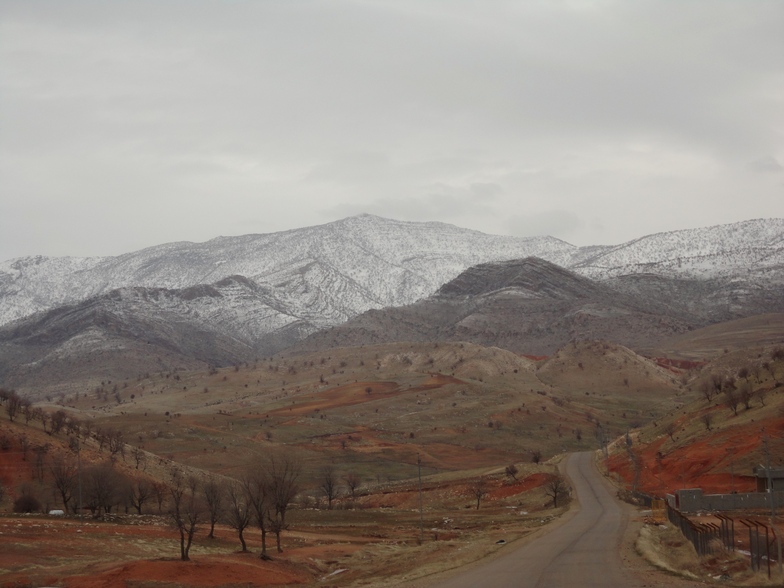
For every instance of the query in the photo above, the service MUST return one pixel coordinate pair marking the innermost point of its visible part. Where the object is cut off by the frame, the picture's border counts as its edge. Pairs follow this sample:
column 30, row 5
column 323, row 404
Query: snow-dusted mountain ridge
column 326, row 274
column 711, row 252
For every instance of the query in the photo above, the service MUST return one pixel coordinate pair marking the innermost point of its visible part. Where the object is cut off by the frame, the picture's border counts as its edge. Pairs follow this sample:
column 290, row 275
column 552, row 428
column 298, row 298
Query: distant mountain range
column 534, row 307
column 235, row 298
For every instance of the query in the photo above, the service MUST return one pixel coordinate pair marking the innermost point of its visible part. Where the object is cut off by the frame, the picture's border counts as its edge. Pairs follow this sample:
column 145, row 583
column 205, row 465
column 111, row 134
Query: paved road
column 583, row 552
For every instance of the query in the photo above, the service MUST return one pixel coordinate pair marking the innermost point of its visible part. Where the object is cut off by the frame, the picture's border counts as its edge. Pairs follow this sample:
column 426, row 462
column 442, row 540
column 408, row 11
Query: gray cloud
column 766, row 165
column 131, row 124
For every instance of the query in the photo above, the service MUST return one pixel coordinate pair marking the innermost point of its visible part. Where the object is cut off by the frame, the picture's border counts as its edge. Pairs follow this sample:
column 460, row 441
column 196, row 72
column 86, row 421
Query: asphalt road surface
column 582, row 552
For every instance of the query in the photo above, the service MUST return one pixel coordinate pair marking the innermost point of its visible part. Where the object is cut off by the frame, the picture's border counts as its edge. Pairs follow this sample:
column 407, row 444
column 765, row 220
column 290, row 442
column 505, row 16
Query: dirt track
column 582, row 551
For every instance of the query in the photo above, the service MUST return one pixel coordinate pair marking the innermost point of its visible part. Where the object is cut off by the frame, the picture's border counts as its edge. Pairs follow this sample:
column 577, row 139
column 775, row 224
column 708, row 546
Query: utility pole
column 421, row 520
column 79, row 469
column 770, row 478
column 77, row 445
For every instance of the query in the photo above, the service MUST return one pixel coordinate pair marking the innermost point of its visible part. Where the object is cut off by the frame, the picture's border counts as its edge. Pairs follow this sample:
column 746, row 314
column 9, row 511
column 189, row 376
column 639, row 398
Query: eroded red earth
column 703, row 464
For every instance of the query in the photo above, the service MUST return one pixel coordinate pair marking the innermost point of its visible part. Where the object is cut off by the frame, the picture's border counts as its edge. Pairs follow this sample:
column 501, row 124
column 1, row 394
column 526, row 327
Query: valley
column 460, row 403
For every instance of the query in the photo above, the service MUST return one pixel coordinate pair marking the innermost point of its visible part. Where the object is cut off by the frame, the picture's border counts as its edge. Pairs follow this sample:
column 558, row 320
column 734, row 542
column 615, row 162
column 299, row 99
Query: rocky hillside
column 528, row 306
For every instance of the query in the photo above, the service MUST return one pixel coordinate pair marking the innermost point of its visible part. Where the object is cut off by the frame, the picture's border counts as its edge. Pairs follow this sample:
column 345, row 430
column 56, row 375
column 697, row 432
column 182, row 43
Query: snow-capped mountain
column 232, row 299
column 326, row 273
column 329, row 273
column 739, row 249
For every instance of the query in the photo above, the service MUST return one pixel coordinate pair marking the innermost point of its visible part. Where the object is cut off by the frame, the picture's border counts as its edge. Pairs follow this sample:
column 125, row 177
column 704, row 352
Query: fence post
column 727, row 531
column 767, row 545
column 754, row 544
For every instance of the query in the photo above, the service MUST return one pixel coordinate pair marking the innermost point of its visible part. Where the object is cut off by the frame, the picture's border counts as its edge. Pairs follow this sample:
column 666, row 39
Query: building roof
column 775, row 473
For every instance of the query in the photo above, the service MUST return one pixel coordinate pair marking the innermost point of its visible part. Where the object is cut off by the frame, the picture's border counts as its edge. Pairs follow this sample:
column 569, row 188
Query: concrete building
column 776, row 478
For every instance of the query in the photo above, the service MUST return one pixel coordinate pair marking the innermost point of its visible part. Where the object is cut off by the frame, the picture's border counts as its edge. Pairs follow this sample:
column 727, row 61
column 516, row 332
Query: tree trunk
column 188, row 548
column 242, row 540
column 263, row 554
column 183, row 551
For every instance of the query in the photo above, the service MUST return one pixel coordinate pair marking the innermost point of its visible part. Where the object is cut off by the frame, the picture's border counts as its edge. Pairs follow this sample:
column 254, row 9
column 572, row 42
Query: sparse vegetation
column 369, row 425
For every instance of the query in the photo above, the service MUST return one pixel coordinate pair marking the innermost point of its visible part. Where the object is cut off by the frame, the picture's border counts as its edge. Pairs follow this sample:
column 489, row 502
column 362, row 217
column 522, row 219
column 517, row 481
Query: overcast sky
column 130, row 124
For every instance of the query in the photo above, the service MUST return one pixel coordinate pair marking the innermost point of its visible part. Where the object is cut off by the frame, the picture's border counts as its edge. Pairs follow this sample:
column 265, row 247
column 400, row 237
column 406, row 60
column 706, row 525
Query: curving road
column 582, row 552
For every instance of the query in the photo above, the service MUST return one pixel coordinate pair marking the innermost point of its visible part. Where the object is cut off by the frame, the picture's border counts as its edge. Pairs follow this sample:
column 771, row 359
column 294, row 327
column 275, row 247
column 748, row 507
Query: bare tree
column 479, row 490
column 12, row 404
column 328, row 484
column 213, row 498
column 717, row 382
column 283, row 479
column 27, row 410
column 745, row 394
column 353, row 482
column 556, row 488
column 511, row 471
column 186, row 510
column 116, row 443
column 101, row 437
column 64, row 477
column 238, row 512
column 707, row 390
column 139, row 456
column 671, row 428
column 103, row 488
column 707, row 420
column 58, row 420
column 139, row 492
column 770, row 368
column 73, row 426
column 536, row 456
column 256, row 489
column 731, row 400
column 159, row 491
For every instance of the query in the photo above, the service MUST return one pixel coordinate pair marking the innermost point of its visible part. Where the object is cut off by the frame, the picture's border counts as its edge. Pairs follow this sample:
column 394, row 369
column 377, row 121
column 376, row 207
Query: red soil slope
column 703, row 464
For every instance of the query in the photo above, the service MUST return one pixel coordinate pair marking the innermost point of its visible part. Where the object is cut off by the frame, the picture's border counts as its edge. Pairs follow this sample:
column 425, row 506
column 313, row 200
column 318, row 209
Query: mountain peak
column 531, row 276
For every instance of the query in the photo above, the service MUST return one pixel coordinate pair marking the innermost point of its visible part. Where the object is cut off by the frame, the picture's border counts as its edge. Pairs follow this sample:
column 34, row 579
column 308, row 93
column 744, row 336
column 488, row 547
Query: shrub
column 27, row 503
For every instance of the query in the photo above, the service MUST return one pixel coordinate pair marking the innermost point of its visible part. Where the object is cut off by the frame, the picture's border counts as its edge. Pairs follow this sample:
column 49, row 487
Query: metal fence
column 759, row 547
column 708, row 538
column 701, row 535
